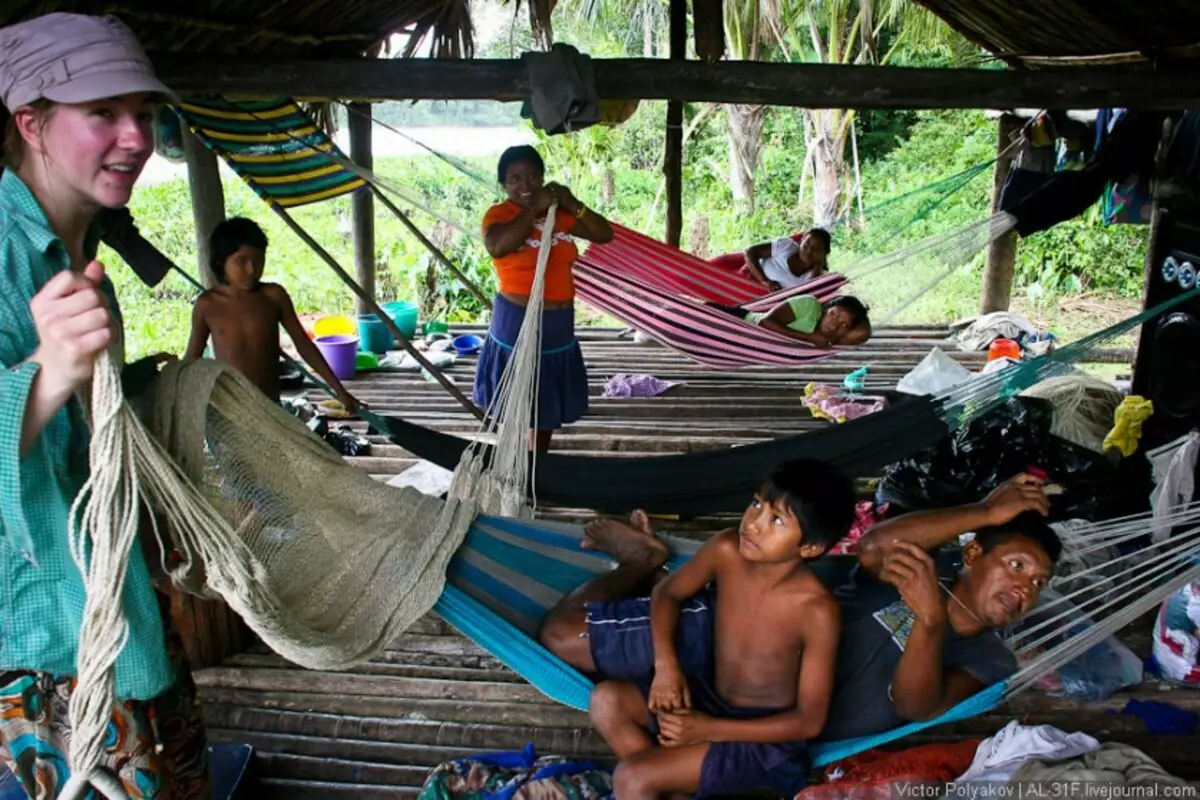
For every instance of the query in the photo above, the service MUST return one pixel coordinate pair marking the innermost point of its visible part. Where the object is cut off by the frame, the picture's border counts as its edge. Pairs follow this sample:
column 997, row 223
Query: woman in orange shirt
column 512, row 233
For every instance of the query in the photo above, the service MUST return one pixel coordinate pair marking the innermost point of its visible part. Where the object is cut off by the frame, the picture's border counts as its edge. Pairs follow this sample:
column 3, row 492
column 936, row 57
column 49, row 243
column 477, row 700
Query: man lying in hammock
column 841, row 321
column 950, row 619
column 750, row 681
column 916, row 639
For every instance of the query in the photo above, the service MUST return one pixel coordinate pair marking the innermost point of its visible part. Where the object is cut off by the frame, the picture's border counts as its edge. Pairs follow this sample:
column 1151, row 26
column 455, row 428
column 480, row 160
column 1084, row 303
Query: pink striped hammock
column 635, row 255
column 661, row 290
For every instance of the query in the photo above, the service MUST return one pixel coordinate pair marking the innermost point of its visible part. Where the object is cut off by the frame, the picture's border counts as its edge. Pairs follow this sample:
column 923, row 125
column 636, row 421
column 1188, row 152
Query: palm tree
column 605, row 24
column 852, row 32
column 748, row 28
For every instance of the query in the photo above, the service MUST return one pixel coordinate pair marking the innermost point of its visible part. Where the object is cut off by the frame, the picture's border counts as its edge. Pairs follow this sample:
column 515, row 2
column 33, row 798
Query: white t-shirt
column 775, row 266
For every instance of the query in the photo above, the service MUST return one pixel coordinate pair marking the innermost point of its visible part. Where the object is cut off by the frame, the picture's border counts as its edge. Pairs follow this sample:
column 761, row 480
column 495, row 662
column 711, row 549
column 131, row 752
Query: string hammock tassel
column 502, row 487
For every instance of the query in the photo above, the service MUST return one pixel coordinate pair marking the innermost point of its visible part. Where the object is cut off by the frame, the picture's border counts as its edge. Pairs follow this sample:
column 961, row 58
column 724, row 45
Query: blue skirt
column 563, row 389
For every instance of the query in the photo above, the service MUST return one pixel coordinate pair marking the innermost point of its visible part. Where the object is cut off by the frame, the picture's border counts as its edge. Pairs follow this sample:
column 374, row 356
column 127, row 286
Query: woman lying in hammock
column 789, row 261
column 841, row 321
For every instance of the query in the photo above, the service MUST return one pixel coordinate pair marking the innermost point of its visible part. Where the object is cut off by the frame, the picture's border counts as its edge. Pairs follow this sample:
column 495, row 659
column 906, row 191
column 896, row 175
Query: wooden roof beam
column 799, row 85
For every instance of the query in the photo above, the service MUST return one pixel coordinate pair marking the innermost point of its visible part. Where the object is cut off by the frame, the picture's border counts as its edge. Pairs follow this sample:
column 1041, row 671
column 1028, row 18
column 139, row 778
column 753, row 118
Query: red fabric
column 866, row 517
column 635, row 256
column 873, row 775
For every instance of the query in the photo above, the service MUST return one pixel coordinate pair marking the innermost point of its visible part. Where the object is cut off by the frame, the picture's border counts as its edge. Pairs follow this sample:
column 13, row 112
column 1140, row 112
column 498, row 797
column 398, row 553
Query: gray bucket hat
column 72, row 58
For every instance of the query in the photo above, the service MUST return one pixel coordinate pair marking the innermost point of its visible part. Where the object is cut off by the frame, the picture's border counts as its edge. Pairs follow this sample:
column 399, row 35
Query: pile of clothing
column 978, row 336
column 1176, row 639
column 1013, row 438
column 1034, row 761
column 517, row 776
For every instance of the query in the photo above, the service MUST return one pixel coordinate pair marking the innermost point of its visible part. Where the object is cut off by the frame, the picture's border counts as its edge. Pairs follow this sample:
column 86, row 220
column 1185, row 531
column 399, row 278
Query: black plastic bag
column 341, row 438
column 965, row 466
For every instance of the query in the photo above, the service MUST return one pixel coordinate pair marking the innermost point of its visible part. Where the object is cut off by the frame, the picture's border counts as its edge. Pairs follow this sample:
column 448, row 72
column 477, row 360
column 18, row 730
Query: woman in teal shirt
column 80, row 96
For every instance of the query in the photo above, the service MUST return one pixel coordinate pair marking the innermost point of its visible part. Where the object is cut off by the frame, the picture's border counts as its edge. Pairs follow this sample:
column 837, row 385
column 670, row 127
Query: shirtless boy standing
column 243, row 314
column 743, row 675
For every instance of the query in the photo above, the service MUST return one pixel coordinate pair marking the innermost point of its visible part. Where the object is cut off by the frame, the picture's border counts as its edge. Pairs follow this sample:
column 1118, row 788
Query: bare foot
column 641, row 521
column 626, row 544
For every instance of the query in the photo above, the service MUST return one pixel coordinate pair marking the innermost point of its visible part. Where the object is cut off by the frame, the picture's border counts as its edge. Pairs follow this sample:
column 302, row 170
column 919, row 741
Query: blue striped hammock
column 509, row 573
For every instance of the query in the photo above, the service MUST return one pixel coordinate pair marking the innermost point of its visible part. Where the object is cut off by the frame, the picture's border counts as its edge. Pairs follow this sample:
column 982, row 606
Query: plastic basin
column 341, row 351
column 404, row 314
column 467, row 345
column 334, row 325
column 373, row 335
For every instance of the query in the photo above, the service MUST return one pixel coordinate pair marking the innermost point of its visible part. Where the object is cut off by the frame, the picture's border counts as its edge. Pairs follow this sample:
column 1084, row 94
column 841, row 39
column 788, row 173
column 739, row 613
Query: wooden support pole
column 362, row 205
column 1002, row 251
column 434, row 250
column 739, row 82
column 708, row 30
column 673, row 154
column 1156, row 253
column 208, row 200
column 1154, row 290
column 373, row 308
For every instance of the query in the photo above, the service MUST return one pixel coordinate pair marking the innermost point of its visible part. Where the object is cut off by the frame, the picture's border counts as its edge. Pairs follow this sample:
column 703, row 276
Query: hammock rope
column 500, row 484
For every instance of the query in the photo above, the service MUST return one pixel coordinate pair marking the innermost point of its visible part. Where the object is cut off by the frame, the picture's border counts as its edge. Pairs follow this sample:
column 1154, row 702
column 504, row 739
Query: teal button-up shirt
column 41, row 588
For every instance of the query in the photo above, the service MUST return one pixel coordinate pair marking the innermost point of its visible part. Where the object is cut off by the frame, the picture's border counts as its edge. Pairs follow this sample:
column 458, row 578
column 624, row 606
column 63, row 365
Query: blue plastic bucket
column 373, row 335
column 404, row 314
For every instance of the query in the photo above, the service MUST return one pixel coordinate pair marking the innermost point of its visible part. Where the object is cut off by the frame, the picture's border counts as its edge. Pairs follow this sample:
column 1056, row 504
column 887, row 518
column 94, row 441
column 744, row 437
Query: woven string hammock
column 311, row 552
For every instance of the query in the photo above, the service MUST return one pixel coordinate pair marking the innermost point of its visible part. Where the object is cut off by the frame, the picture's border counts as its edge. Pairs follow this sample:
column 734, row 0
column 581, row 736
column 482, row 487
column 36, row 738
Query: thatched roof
column 1077, row 32
column 280, row 28
column 1025, row 34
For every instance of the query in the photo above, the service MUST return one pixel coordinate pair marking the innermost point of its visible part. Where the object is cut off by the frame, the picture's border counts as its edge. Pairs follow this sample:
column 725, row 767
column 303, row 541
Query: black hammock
column 690, row 484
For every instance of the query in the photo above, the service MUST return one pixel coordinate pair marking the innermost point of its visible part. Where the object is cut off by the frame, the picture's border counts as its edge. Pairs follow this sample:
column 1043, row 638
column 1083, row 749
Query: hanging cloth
column 562, row 90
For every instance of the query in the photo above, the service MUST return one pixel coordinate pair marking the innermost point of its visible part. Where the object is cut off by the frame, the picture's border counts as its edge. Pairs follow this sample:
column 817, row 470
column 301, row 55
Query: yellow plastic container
column 335, row 325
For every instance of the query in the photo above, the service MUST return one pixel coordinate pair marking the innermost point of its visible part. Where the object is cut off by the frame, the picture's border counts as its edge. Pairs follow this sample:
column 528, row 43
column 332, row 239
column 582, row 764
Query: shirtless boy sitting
column 243, row 314
column 734, row 695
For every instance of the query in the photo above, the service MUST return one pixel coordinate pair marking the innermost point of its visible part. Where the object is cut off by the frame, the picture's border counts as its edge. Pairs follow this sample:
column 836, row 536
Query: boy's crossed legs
column 618, row 710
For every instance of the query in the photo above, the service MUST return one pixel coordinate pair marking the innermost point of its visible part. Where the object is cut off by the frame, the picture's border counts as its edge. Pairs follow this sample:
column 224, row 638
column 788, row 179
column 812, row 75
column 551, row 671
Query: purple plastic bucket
column 340, row 351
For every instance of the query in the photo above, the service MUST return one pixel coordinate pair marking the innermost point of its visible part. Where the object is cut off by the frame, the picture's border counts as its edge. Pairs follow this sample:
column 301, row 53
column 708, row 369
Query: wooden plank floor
column 374, row 732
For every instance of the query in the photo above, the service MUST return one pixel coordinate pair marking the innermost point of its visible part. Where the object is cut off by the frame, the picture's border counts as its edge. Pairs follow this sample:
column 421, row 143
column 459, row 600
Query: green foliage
column 912, row 151
column 1081, row 255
